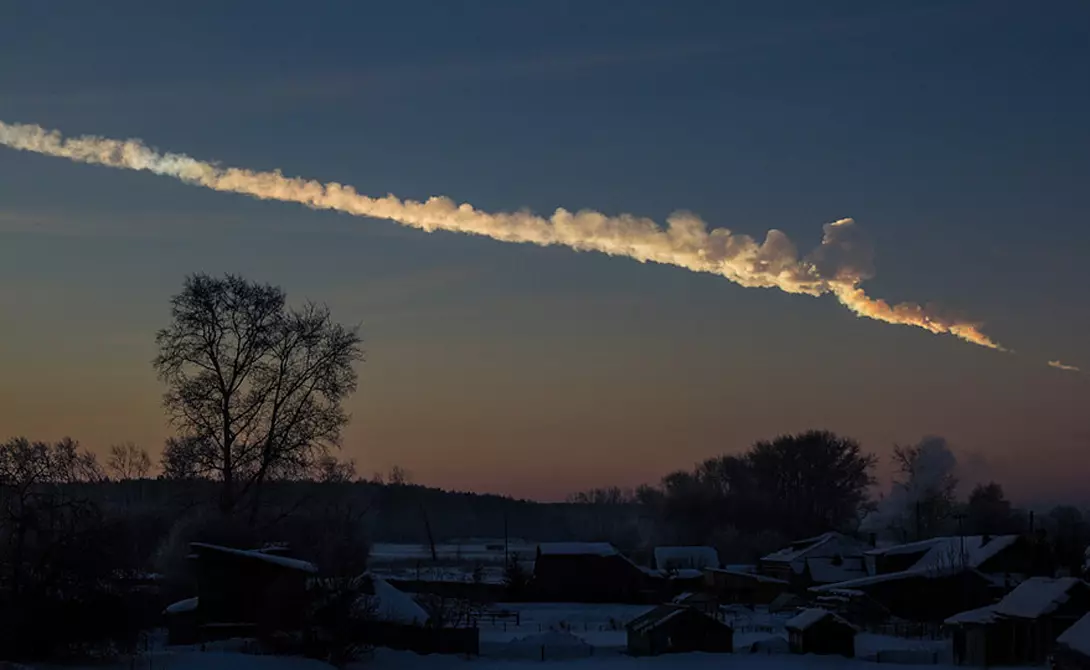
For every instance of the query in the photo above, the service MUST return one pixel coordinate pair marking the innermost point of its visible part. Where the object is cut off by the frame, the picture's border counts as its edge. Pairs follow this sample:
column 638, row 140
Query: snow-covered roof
column 391, row 604
column 577, row 549
column 800, row 548
column 913, row 573
column 282, row 561
column 1037, row 597
column 941, row 552
column 830, row 571
column 686, row 557
column 187, row 605
column 810, row 616
column 655, row 618
column 981, row 616
column 1077, row 637
column 747, row 575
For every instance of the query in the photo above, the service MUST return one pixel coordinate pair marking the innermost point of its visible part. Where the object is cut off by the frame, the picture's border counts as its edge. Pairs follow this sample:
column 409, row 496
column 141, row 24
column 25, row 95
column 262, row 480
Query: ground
column 573, row 637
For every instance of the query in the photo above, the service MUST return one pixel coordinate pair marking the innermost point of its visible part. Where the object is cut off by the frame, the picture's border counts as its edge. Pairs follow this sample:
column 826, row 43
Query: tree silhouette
column 254, row 387
column 128, row 461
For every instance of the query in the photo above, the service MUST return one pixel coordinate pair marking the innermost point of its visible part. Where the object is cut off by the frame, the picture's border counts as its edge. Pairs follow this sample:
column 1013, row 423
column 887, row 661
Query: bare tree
column 127, row 461
column 254, row 387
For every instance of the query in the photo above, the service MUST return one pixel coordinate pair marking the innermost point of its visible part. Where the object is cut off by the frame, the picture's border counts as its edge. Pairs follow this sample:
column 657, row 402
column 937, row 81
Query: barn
column 675, row 628
column 1023, row 627
column 588, row 572
column 819, row 631
column 241, row 592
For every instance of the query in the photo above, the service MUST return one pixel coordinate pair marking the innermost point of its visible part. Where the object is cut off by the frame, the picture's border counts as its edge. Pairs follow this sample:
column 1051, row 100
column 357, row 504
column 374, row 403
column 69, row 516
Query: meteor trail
column 837, row 266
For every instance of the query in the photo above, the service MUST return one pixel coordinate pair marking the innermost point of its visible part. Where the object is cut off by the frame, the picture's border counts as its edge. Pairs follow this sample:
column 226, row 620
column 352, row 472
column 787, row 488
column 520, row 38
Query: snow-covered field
column 392, row 660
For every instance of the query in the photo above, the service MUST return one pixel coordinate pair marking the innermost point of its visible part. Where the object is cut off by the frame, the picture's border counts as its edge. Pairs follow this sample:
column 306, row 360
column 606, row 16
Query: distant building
column 746, row 588
column 826, row 559
column 677, row 629
column 819, row 631
column 588, row 572
column 1023, row 627
column 686, row 558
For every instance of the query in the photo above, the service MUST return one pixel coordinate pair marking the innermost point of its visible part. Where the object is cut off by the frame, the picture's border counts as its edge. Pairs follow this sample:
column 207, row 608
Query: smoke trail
column 838, row 265
column 1063, row 366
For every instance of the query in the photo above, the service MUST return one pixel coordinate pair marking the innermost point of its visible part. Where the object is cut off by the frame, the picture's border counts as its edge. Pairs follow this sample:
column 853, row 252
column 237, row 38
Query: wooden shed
column 677, row 629
column 1023, row 627
column 587, row 572
column 819, row 631
column 247, row 591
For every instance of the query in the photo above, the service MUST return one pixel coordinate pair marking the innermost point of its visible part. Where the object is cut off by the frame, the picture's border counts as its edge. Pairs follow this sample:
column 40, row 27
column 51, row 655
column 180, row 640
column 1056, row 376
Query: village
column 974, row 601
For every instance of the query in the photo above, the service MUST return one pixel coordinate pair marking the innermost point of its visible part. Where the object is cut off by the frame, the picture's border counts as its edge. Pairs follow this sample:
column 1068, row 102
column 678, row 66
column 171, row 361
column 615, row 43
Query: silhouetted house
column 1005, row 559
column 677, row 629
column 933, row 579
column 1072, row 650
column 920, row 595
column 747, row 588
column 819, row 631
column 826, row 559
column 588, row 572
column 686, row 558
column 393, row 619
column 701, row 601
column 1023, row 627
column 241, row 593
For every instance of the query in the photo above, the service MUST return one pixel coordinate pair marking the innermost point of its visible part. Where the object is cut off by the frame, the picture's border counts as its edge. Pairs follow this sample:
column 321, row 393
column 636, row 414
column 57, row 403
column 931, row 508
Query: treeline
column 798, row 486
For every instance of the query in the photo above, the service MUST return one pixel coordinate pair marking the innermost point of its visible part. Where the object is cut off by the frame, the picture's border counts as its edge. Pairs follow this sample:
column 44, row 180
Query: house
column 1023, row 627
column 1072, row 650
column 933, row 579
column 920, row 595
column 692, row 558
column 588, row 572
column 819, row 631
column 785, row 602
column 677, row 629
column 701, row 601
column 1006, row 559
column 747, row 588
column 825, row 559
column 241, row 592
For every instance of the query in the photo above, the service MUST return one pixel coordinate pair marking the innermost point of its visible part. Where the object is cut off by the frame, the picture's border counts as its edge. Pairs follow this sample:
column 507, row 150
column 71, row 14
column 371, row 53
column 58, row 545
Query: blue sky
column 954, row 133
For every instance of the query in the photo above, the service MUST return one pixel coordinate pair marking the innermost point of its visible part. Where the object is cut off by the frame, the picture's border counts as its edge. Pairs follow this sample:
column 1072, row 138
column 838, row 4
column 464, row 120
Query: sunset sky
column 954, row 133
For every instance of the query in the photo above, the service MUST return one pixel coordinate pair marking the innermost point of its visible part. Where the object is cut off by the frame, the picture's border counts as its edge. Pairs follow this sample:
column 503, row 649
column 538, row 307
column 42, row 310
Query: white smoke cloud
column 1063, row 366
column 932, row 467
column 841, row 262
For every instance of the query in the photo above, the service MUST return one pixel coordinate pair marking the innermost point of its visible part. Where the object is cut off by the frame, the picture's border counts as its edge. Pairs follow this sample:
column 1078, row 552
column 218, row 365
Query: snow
column 748, row 575
column 945, row 552
column 282, row 561
column 1037, row 597
column 394, row 605
column 800, row 548
column 826, row 571
column 810, row 616
column 553, row 645
column 577, row 549
column 187, row 605
column 686, row 557
column 392, row 660
column 1077, row 637
column 979, row 616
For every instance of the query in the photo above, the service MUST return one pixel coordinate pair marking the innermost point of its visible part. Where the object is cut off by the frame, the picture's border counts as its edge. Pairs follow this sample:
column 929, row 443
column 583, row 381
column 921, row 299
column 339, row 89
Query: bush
column 337, row 620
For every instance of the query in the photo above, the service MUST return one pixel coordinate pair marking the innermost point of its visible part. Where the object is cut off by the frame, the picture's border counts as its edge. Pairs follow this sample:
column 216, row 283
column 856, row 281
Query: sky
column 954, row 134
